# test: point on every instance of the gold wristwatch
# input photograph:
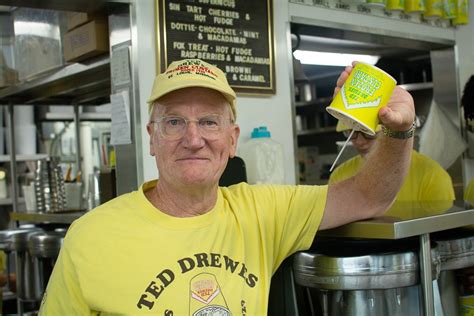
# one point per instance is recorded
(399, 135)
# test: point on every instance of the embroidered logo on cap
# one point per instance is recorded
(191, 68)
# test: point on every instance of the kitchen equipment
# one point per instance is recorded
(360, 282)
(456, 249)
(15, 241)
(44, 248)
(49, 186)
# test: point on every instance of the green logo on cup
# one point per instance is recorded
(360, 91)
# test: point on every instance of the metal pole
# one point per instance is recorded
(77, 124)
(19, 283)
(14, 182)
(425, 273)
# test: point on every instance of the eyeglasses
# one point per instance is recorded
(174, 127)
(354, 136)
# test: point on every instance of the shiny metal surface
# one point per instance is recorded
(16, 239)
(84, 83)
(396, 228)
(390, 302)
(381, 271)
(456, 253)
(61, 218)
(128, 156)
(46, 244)
(426, 274)
(359, 272)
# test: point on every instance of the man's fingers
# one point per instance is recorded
(343, 77)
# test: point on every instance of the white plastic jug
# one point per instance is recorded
(263, 158)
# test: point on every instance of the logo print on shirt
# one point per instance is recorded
(206, 297)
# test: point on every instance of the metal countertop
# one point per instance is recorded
(407, 219)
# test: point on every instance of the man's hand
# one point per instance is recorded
(399, 113)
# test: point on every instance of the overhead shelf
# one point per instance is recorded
(87, 116)
(86, 83)
(417, 86)
(33, 157)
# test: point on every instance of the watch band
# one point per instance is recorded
(399, 135)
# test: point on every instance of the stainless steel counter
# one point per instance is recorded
(408, 219)
(60, 218)
(396, 228)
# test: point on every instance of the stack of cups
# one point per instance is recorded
(414, 6)
(395, 5)
(449, 9)
(462, 13)
(25, 131)
(434, 9)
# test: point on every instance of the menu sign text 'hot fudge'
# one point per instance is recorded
(234, 35)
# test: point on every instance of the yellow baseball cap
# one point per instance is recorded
(188, 73)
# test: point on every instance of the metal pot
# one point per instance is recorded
(16, 241)
(44, 248)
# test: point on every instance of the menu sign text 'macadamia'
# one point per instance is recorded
(234, 35)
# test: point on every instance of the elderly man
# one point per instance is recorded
(181, 245)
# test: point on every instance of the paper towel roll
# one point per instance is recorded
(25, 139)
(24, 115)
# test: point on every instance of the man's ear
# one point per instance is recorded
(234, 138)
(149, 129)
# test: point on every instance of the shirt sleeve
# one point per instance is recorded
(289, 217)
(63, 294)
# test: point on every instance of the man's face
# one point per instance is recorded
(193, 159)
(362, 144)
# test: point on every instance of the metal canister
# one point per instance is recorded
(374, 283)
(456, 250)
(44, 248)
(16, 241)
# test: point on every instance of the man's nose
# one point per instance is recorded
(192, 135)
(358, 139)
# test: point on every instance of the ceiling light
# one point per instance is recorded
(332, 59)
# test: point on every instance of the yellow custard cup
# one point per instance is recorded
(450, 8)
(434, 8)
(413, 6)
(357, 104)
(395, 5)
(462, 16)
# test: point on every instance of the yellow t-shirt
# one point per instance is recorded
(426, 179)
(128, 258)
